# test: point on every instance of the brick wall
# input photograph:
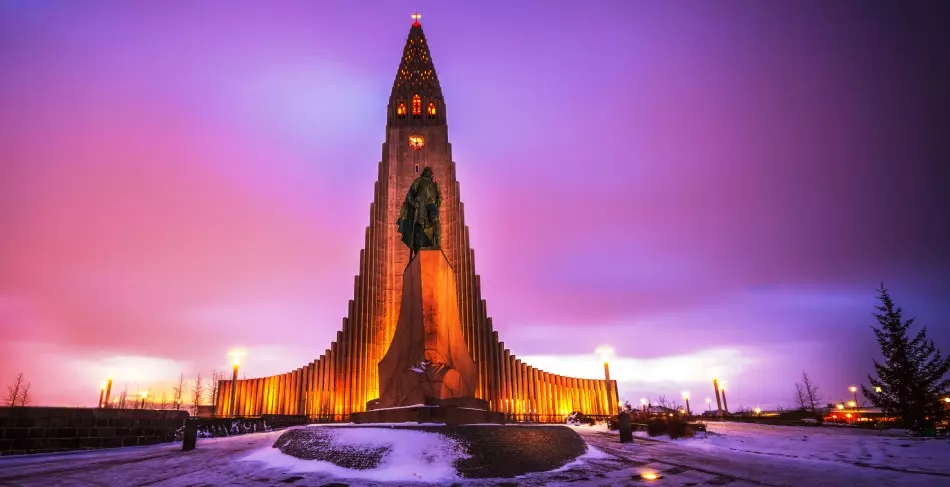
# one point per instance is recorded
(42, 429)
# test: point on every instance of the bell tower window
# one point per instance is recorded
(431, 110)
(416, 106)
(401, 110)
(417, 142)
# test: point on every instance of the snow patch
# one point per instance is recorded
(414, 456)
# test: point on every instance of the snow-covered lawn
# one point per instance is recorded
(858, 447)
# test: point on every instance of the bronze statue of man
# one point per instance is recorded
(419, 217)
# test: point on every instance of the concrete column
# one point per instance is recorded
(506, 366)
(331, 386)
(234, 378)
(347, 361)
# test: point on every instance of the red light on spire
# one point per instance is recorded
(415, 19)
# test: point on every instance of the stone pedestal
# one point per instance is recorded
(428, 375)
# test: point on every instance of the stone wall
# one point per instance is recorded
(49, 429)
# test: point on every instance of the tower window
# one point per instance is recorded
(401, 110)
(431, 110)
(416, 142)
(416, 106)
(417, 168)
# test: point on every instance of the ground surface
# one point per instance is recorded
(770, 456)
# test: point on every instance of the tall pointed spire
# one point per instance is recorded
(416, 94)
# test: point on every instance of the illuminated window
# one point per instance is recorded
(431, 110)
(416, 106)
(416, 142)
(401, 110)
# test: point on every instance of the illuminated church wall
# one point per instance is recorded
(345, 376)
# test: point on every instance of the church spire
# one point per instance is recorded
(416, 98)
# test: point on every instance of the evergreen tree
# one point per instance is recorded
(910, 382)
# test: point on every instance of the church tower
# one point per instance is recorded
(345, 377)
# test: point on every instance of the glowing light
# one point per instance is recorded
(416, 105)
(946, 400)
(852, 404)
(847, 415)
(102, 386)
(431, 110)
(416, 17)
(605, 353)
(649, 476)
(237, 354)
(682, 411)
(685, 394)
(708, 400)
(839, 406)
(401, 110)
(416, 142)
(757, 411)
(853, 389)
(643, 402)
(143, 394)
(877, 389)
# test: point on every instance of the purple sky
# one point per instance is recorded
(712, 188)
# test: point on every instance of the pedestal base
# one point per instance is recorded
(448, 414)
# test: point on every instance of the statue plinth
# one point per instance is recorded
(427, 375)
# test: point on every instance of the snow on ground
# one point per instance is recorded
(414, 456)
(848, 445)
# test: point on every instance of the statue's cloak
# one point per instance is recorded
(419, 216)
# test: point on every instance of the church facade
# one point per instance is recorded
(345, 377)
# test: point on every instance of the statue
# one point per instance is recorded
(419, 217)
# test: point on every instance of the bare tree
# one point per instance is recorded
(216, 378)
(178, 391)
(123, 396)
(800, 399)
(164, 403)
(197, 394)
(810, 397)
(25, 395)
(15, 391)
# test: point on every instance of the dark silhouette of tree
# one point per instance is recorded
(163, 405)
(25, 395)
(216, 378)
(808, 397)
(16, 392)
(178, 391)
(197, 394)
(911, 380)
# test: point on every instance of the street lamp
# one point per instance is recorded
(758, 411)
(143, 394)
(686, 397)
(236, 354)
(854, 393)
(708, 402)
(877, 390)
(643, 404)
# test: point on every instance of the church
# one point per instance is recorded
(344, 378)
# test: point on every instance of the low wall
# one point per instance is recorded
(218, 427)
(42, 429)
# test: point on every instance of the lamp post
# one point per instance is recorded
(686, 397)
(143, 395)
(237, 354)
(643, 404)
(854, 393)
(105, 399)
(102, 392)
(708, 402)
(725, 404)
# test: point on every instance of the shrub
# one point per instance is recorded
(673, 427)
